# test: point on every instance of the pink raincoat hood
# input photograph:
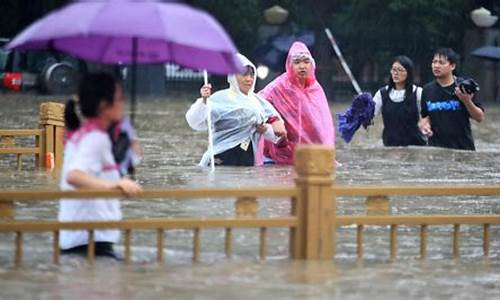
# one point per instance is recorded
(305, 109)
(298, 48)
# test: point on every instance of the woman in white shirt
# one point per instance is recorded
(89, 164)
(239, 119)
(399, 104)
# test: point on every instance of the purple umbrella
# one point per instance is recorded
(130, 32)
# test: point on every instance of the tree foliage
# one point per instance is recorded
(17, 14)
(242, 18)
(380, 29)
(367, 30)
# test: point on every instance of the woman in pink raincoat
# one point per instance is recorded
(302, 104)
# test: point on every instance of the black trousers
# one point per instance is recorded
(101, 249)
(236, 156)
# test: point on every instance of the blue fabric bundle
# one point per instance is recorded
(360, 113)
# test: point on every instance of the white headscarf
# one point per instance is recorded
(233, 82)
(236, 115)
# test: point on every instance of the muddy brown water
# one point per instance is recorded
(171, 152)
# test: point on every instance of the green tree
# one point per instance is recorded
(242, 18)
(377, 30)
(368, 31)
(17, 14)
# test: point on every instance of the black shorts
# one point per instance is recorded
(236, 156)
(101, 249)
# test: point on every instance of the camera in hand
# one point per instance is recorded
(468, 85)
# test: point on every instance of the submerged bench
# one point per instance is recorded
(9, 145)
(48, 139)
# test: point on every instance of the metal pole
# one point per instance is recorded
(342, 61)
(209, 123)
(133, 80)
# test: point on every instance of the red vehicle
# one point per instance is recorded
(12, 81)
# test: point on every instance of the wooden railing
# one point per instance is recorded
(160, 225)
(424, 221)
(312, 221)
(8, 144)
(48, 149)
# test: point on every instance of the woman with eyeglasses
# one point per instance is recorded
(399, 104)
(240, 118)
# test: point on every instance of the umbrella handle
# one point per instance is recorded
(209, 123)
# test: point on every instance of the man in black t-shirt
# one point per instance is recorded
(446, 108)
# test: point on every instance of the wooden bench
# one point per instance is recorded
(8, 144)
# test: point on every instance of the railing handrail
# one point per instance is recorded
(154, 223)
(21, 150)
(343, 220)
(416, 190)
(274, 192)
(52, 195)
(21, 132)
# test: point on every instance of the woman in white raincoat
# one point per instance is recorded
(239, 119)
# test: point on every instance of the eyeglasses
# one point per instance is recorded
(398, 70)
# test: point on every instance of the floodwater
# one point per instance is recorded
(171, 152)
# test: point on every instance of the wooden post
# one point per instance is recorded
(315, 207)
(128, 239)
(359, 241)
(263, 243)
(38, 158)
(196, 245)
(378, 205)
(19, 249)
(49, 145)
(228, 242)
(7, 210)
(43, 149)
(394, 241)
(456, 240)
(55, 246)
(91, 247)
(246, 207)
(486, 240)
(19, 162)
(423, 241)
(294, 242)
(58, 148)
(52, 121)
(159, 245)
